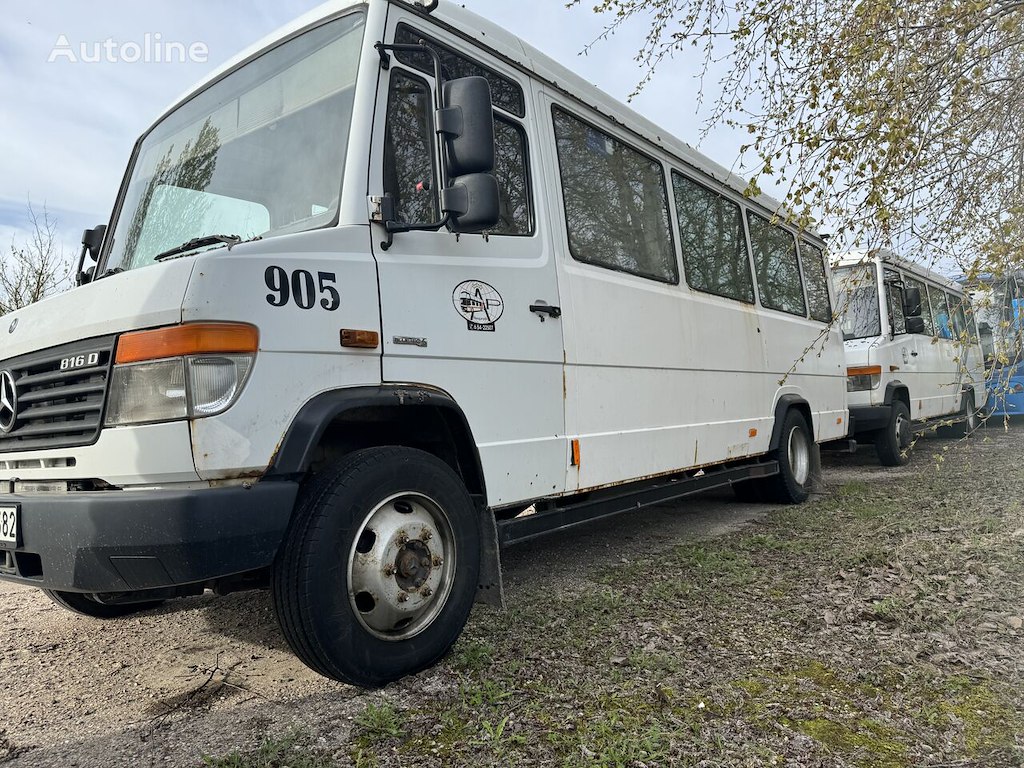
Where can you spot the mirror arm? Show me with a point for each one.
(80, 277)
(393, 227)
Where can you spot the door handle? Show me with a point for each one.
(546, 309)
(913, 354)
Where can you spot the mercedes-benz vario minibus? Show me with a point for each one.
(386, 293)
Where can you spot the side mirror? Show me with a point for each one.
(915, 324)
(92, 241)
(911, 303)
(467, 124)
(472, 202)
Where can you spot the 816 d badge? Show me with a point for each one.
(479, 303)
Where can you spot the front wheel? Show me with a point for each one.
(798, 462)
(893, 441)
(379, 569)
(85, 605)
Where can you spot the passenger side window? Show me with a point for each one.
(510, 169)
(616, 207)
(505, 93)
(813, 262)
(711, 238)
(940, 313)
(894, 299)
(775, 264)
(409, 150)
(926, 311)
(958, 316)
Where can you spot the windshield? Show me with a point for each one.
(857, 294)
(259, 153)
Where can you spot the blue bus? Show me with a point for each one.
(999, 304)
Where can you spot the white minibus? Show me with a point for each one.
(386, 293)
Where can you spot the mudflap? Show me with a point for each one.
(490, 590)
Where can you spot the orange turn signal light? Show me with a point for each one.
(352, 337)
(864, 370)
(187, 339)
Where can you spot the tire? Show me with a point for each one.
(964, 423)
(798, 459)
(894, 440)
(971, 420)
(379, 568)
(83, 604)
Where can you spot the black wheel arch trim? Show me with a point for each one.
(892, 388)
(785, 403)
(296, 451)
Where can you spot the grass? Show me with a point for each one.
(867, 628)
(288, 751)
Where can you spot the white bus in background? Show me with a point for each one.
(912, 351)
(375, 289)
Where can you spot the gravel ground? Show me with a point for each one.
(878, 625)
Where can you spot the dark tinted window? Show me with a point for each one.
(813, 262)
(775, 264)
(504, 92)
(616, 207)
(408, 151)
(712, 242)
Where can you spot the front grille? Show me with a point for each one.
(59, 408)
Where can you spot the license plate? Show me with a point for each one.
(8, 527)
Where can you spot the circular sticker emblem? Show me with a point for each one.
(479, 304)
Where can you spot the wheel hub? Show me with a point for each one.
(401, 566)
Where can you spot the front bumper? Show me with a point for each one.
(123, 541)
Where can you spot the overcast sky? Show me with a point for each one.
(68, 127)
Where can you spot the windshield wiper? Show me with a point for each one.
(198, 242)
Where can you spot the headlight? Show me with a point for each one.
(863, 378)
(203, 369)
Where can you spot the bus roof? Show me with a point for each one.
(885, 256)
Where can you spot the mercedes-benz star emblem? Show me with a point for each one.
(8, 401)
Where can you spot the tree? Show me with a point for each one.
(36, 269)
(896, 123)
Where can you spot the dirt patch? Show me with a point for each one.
(877, 625)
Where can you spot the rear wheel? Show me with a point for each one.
(893, 441)
(970, 421)
(798, 462)
(86, 605)
(379, 569)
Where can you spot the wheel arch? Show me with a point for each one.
(344, 420)
(786, 403)
(897, 390)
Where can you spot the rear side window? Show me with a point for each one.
(813, 262)
(712, 241)
(616, 207)
(775, 265)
